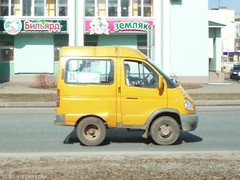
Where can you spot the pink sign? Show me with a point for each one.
(102, 26)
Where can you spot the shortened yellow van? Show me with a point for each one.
(118, 87)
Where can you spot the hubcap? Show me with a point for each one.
(91, 132)
(165, 131)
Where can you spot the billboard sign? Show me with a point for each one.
(100, 26)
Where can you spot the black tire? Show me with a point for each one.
(164, 130)
(91, 131)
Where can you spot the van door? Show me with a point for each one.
(90, 89)
(140, 95)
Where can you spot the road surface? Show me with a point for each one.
(33, 130)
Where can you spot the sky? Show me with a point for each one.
(230, 4)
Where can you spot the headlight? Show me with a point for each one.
(188, 105)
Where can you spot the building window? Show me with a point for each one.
(62, 8)
(124, 7)
(90, 8)
(101, 7)
(26, 7)
(115, 8)
(34, 7)
(59, 42)
(136, 8)
(112, 8)
(147, 7)
(3, 7)
(57, 47)
(15, 7)
(51, 6)
(6, 51)
(39, 8)
(142, 47)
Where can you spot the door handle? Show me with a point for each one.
(131, 98)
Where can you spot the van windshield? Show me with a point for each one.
(171, 83)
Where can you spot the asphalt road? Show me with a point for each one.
(33, 130)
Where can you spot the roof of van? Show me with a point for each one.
(100, 51)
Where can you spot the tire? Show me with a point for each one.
(164, 130)
(91, 131)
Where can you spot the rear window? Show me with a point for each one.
(88, 71)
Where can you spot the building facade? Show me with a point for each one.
(226, 17)
(31, 34)
(170, 32)
(230, 52)
(236, 57)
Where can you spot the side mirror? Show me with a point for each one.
(160, 83)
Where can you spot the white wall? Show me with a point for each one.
(122, 40)
(71, 23)
(33, 53)
(189, 40)
(79, 22)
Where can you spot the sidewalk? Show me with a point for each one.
(229, 87)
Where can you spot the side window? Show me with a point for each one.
(89, 71)
(150, 76)
(140, 74)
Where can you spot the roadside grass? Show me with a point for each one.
(28, 97)
(191, 86)
(215, 96)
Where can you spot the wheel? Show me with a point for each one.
(165, 130)
(91, 131)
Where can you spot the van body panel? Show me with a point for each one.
(138, 103)
(176, 101)
(155, 114)
(104, 51)
(119, 90)
(83, 100)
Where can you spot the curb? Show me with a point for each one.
(217, 103)
(53, 104)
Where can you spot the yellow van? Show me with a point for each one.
(119, 87)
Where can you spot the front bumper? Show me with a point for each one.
(189, 122)
(235, 76)
(60, 120)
